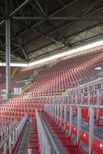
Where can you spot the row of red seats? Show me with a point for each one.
(60, 128)
(81, 99)
(98, 114)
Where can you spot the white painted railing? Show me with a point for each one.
(45, 147)
(10, 137)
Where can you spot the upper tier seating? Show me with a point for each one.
(66, 74)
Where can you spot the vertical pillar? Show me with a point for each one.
(7, 37)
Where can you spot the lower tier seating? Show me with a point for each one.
(68, 140)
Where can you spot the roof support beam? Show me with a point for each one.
(41, 9)
(19, 7)
(56, 18)
(16, 10)
(91, 7)
(3, 47)
(2, 11)
(2, 22)
(35, 9)
(21, 47)
(60, 2)
(52, 14)
(24, 52)
(56, 29)
(50, 38)
(19, 42)
(64, 7)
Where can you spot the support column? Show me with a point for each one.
(7, 37)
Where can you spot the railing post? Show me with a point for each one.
(83, 96)
(58, 111)
(71, 119)
(76, 98)
(43, 144)
(16, 133)
(61, 116)
(13, 138)
(91, 128)
(52, 109)
(88, 96)
(98, 103)
(65, 116)
(5, 151)
(55, 111)
(4, 133)
(48, 149)
(101, 96)
(72, 99)
(1, 137)
(10, 149)
(7, 131)
(78, 124)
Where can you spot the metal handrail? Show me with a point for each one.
(76, 105)
(45, 147)
(93, 83)
(52, 141)
(12, 137)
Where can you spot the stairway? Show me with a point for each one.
(24, 142)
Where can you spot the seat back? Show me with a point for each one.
(84, 140)
(74, 133)
(97, 147)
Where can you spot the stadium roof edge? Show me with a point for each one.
(56, 56)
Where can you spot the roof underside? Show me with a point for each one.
(43, 27)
